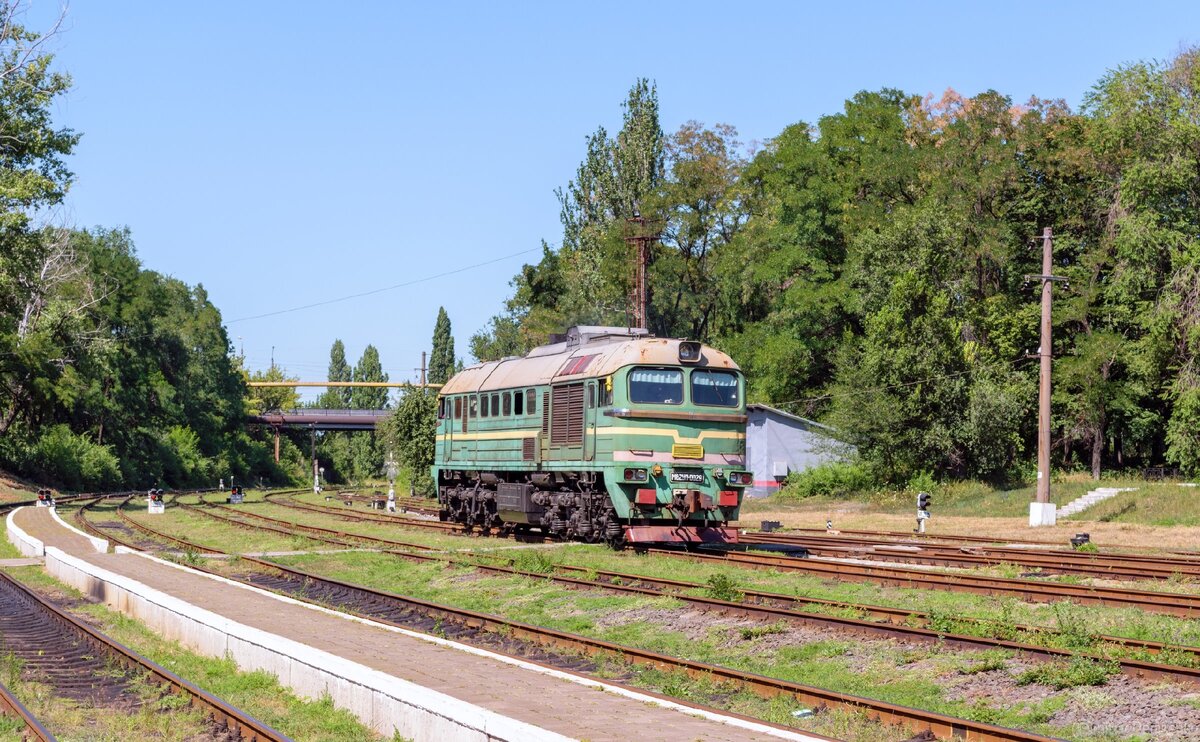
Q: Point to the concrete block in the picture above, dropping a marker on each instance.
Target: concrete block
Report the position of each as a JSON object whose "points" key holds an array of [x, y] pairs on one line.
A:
{"points": [[1042, 514]]}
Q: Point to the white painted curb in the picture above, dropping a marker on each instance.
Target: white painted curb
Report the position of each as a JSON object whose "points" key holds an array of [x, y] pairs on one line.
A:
{"points": [[99, 544], [26, 544]]}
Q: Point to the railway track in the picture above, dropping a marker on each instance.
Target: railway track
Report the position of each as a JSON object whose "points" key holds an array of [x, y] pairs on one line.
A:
{"points": [[775, 606], [10, 705], [77, 662], [1176, 604], [546, 646], [1116, 566]]}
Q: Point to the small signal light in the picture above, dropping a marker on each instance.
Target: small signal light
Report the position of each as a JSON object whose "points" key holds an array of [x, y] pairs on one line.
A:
{"points": [[689, 351]]}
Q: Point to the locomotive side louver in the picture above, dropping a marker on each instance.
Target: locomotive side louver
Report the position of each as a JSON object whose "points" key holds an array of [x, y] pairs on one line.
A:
{"points": [[566, 422]]}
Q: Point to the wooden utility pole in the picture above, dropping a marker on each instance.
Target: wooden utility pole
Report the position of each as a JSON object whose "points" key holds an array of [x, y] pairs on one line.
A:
{"points": [[1041, 512], [1045, 352]]}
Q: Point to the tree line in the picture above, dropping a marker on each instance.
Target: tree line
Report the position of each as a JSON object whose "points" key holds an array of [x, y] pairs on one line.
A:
{"points": [[868, 270]]}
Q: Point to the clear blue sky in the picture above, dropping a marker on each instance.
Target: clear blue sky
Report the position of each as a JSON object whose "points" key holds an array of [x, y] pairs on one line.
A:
{"points": [[286, 153]]}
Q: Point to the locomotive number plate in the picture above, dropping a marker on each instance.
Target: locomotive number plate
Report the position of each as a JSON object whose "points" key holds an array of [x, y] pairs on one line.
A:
{"points": [[696, 477]]}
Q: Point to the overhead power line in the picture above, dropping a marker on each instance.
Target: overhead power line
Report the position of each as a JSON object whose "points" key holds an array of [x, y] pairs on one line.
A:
{"points": [[372, 292]]}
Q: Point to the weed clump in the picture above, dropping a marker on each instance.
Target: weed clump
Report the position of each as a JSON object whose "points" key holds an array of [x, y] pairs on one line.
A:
{"points": [[754, 632], [1079, 671], [722, 587], [531, 560]]}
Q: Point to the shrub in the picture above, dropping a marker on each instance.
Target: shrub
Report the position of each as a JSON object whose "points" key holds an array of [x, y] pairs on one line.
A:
{"points": [[73, 461], [834, 478], [723, 587]]}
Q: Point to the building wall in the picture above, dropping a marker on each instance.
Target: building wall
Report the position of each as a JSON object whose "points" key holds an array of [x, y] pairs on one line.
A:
{"points": [[777, 444]]}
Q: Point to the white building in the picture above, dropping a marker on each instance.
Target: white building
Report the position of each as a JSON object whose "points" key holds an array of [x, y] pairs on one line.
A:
{"points": [[778, 442]]}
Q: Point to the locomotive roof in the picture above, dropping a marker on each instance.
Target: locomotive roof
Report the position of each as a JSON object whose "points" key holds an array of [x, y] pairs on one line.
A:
{"points": [[588, 352]]}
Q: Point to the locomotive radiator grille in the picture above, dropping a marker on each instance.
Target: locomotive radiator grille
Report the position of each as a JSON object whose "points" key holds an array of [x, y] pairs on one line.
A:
{"points": [[566, 419], [687, 451]]}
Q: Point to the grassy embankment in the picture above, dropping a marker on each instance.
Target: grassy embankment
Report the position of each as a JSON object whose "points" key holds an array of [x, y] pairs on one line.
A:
{"points": [[1156, 515], [257, 693]]}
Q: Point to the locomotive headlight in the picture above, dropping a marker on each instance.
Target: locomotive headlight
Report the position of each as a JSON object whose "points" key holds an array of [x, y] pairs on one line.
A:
{"points": [[635, 475], [718, 472], [689, 351], [742, 478]]}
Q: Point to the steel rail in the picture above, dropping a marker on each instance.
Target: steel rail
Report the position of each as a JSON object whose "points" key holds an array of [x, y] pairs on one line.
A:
{"points": [[1110, 565], [376, 517], [280, 526], [1189, 556], [940, 725], [236, 720], [10, 705], [1175, 604]]}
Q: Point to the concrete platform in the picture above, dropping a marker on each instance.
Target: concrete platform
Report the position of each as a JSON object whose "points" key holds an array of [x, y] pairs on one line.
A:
{"points": [[420, 686]]}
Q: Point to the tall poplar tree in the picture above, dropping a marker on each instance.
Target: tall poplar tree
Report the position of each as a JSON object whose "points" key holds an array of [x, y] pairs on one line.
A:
{"points": [[441, 359], [339, 370], [369, 368]]}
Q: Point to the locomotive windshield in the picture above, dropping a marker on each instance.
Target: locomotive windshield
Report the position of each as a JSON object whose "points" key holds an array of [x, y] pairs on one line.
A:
{"points": [[656, 386], [714, 388]]}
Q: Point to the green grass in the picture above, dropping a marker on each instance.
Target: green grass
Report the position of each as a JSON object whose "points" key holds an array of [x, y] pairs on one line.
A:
{"points": [[1076, 672], [1152, 505], [257, 693], [7, 550], [201, 529]]}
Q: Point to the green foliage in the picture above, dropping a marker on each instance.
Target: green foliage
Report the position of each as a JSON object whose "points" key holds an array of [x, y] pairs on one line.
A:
{"points": [[868, 271], [831, 479], [72, 461], [441, 358], [722, 587], [535, 561], [337, 398], [369, 368], [411, 432], [1078, 671]]}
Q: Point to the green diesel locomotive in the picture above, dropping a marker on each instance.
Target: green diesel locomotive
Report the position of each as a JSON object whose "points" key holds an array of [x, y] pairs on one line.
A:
{"points": [[606, 434]]}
